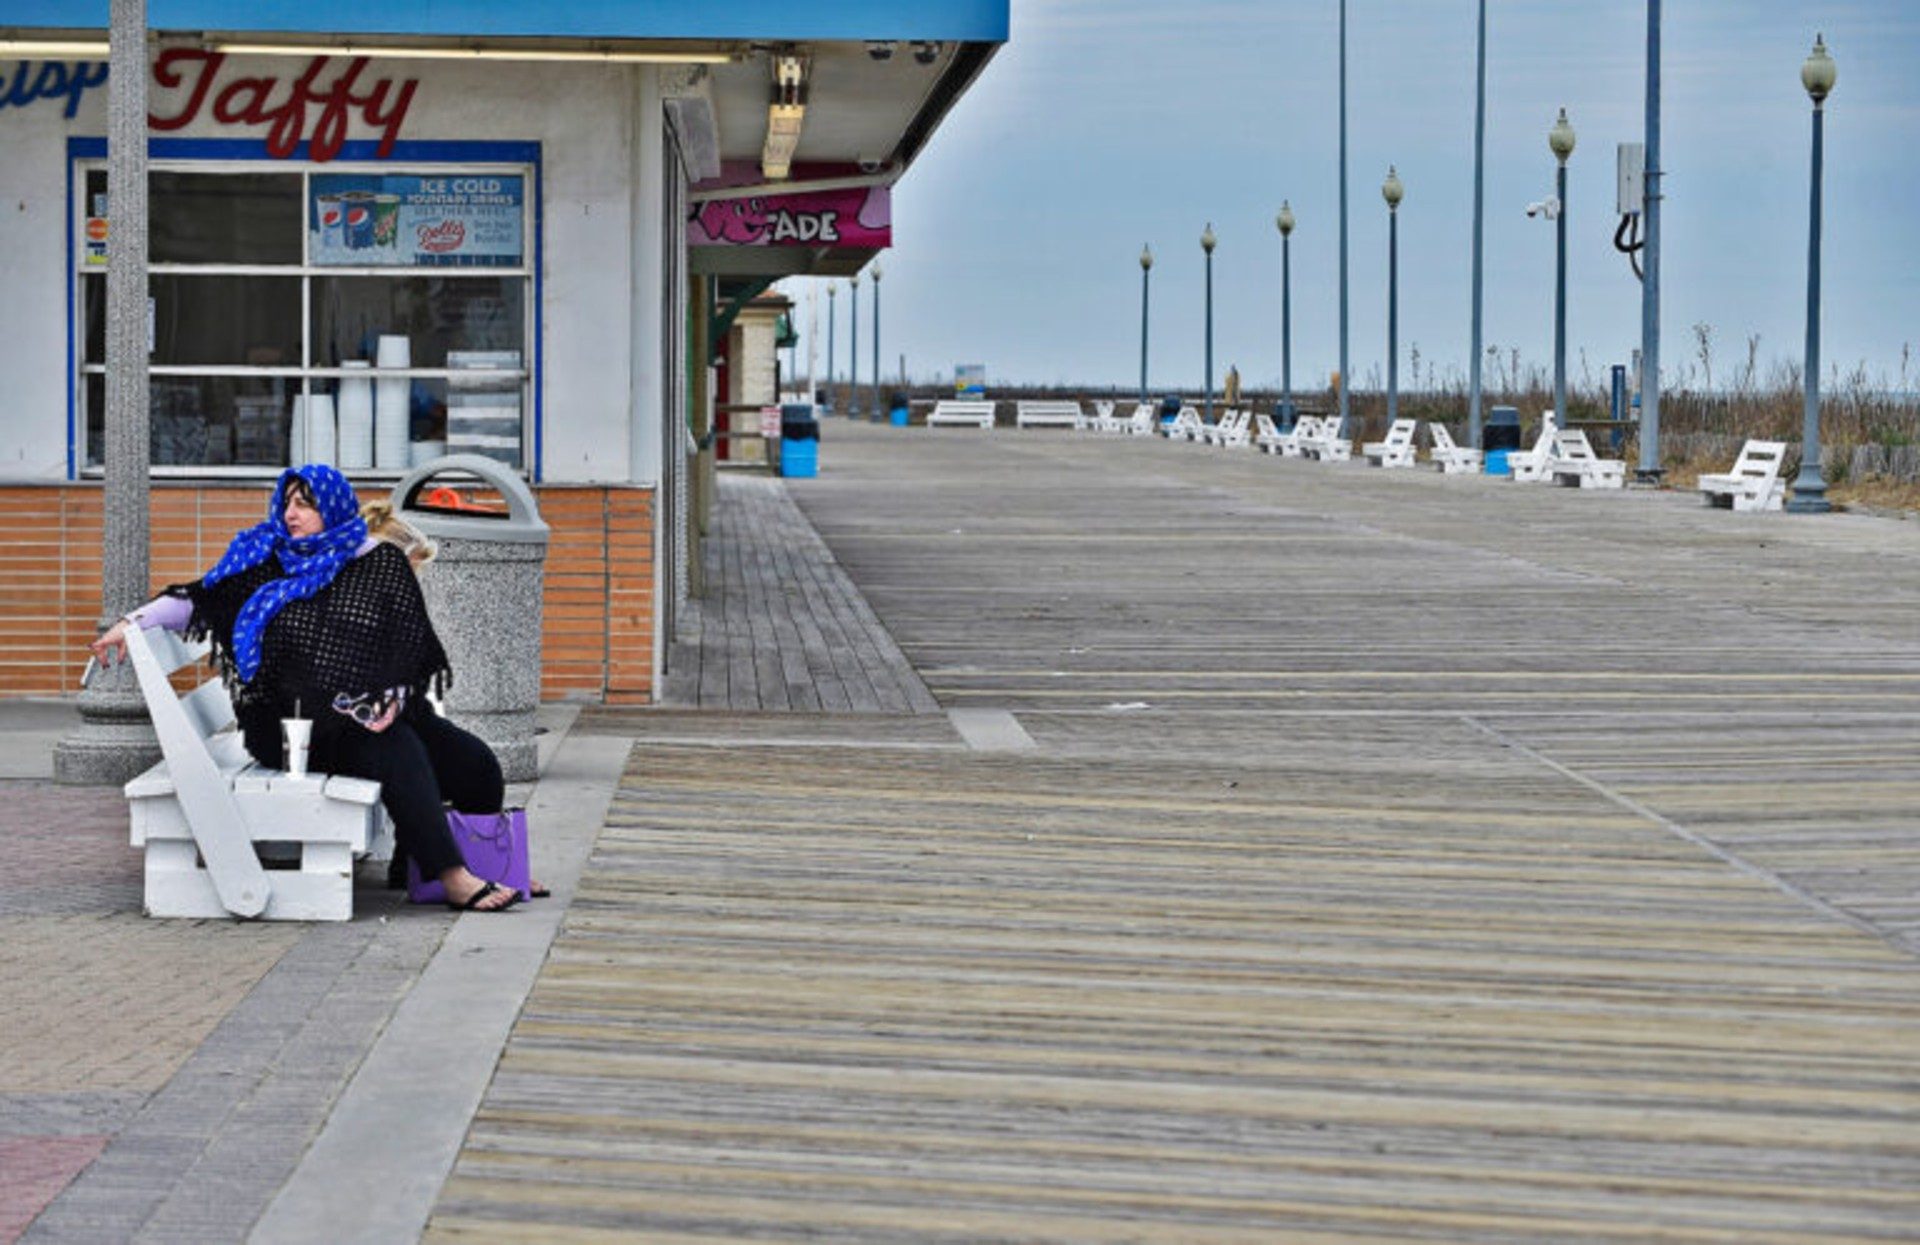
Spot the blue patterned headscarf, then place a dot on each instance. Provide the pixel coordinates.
(309, 563)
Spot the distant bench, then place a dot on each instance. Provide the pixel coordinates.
(1046, 413)
(965, 412)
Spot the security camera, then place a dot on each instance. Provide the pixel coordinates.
(871, 164)
(926, 53)
(879, 49)
(1548, 207)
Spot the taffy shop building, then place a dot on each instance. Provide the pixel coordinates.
(462, 229)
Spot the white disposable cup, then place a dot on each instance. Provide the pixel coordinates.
(296, 734)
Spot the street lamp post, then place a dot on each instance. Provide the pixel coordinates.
(1207, 241)
(1346, 376)
(832, 290)
(853, 346)
(1146, 268)
(1817, 74)
(878, 404)
(1392, 191)
(1479, 203)
(1560, 140)
(1284, 222)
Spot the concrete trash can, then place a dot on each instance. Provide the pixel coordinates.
(483, 592)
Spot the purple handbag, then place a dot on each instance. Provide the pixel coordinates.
(495, 848)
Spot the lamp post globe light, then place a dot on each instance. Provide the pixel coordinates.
(878, 413)
(1560, 141)
(1392, 191)
(1146, 267)
(853, 346)
(1207, 241)
(1817, 74)
(1284, 223)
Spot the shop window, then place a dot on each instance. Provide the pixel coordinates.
(372, 319)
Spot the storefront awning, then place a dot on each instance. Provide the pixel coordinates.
(982, 21)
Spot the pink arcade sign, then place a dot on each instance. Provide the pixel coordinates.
(859, 218)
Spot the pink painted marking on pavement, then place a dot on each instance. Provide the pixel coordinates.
(33, 1170)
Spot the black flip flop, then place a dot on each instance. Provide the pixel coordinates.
(538, 892)
(479, 896)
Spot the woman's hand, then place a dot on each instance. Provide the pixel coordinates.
(386, 718)
(111, 647)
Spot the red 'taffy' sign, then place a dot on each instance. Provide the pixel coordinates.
(251, 101)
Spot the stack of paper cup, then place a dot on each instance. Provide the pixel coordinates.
(392, 419)
(320, 439)
(356, 418)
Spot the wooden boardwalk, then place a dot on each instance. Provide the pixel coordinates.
(781, 626)
(1400, 859)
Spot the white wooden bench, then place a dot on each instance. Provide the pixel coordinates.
(1100, 421)
(1576, 466)
(1030, 413)
(1452, 459)
(206, 815)
(1264, 433)
(1186, 426)
(1535, 466)
(1231, 431)
(1327, 445)
(1754, 483)
(1140, 424)
(1396, 450)
(965, 412)
(1290, 444)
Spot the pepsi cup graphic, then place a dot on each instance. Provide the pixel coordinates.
(358, 208)
(333, 220)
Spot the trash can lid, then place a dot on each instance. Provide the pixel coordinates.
(442, 512)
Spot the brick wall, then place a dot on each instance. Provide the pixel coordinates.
(597, 642)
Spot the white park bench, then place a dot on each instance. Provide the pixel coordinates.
(1535, 466)
(966, 412)
(1449, 457)
(1046, 413)
(1575, 465)
(1327, 444)
(1290, 444)
(1754, 483)
(1140, 424)
(207, 814)
(1264, 433)
(1396, 450)
(1231, 431)
(1100, 421)
(1186, 426)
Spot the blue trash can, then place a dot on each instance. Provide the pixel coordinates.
(799, 441)
(1499, 436)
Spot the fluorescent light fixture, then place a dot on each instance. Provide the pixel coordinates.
(409, 52)
(783, 136)
(53, 47)
(785, 115)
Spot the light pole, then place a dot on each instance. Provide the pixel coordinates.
(1809, 487)
(1392, 191)
(1146, 268)
(878, 413)
(1284, 222)
(1479, 202)
(1207, 241)
(1346, 376)
(832, 290)
(1560, 140)
(1650, 468)
(853, 346)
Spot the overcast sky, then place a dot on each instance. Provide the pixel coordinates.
(1105, 124)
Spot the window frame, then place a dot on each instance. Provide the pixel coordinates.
(225, 156)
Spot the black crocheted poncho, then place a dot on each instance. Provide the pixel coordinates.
(364, 634)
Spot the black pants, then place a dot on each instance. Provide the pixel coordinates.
(420, 762)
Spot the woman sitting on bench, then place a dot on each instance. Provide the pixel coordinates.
(310, 616)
